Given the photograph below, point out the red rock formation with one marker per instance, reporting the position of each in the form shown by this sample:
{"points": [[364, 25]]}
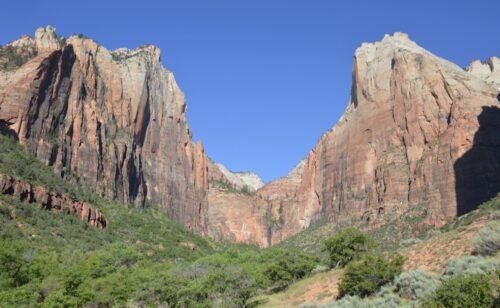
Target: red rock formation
{"points": [[45, 199], [115, 119], [418, 133], [410, 119]]}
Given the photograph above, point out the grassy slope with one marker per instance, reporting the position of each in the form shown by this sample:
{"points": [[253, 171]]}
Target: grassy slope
{"points": [[149, 230], [429, 253]]}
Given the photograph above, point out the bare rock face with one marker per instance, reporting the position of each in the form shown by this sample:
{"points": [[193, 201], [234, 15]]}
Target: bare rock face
{"points": [[489, 71], [239, 180], [419, 133], [115, 119], [52, 201], [404, 141]]}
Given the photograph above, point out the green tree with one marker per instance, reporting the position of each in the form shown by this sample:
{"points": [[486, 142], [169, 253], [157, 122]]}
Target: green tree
{"points": [[346, 245], [14, 263], [365, 276], [463, 291]]}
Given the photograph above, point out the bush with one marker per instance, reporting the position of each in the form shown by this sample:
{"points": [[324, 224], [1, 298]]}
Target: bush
{"points": [[471, 265], [384, 301], [366, 275], [415, 284], [287, 267], [409, 242], [463, 291], [487, 242], [346, 245]]}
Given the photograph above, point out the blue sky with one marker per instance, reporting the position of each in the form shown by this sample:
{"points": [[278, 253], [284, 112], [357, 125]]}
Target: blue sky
{"points": [[264, 78]]}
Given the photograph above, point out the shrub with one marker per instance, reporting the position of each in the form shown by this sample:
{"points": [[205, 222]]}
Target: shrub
{"points": [[463, 291], [471, 265], [14, 264], [383, 301], [409, 242], [365, 276], [415, 284], [287, 267], [346, 245], [487, 242]]}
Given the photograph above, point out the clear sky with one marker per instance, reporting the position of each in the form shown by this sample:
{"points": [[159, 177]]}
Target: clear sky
{"points": [[264, 78]]}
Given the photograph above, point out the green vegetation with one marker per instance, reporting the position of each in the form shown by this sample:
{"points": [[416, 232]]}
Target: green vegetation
{"points": [[10, 58], [145, 259], [346, 246], [228, 187], [142, 258], [21, 165], [415, 285], [367, 275], [471, 265], [464, 291], [487, 242]]}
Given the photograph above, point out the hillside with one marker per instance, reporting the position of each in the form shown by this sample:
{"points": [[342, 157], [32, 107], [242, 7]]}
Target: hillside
{"points": [[436, 252], [140, 257]]}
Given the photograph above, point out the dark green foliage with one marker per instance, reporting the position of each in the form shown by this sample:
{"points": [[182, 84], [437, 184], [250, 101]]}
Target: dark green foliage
{"points": [[365, 276], [288, 266], [142, 257], [346, 246], [463, 291]]}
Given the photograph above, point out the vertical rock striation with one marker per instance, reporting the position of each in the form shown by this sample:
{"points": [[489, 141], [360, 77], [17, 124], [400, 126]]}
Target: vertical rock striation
{"points": [[115, 119], [419, 133]]}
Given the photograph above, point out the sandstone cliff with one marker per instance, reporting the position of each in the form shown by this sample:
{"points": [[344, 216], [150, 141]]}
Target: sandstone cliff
{"points": [[419, 133], [116, 119]]}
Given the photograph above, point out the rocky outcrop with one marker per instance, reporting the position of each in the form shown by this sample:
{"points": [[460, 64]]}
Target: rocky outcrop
{"points": [[116, 120], [26, 192], [248, 181], [488, 71]]}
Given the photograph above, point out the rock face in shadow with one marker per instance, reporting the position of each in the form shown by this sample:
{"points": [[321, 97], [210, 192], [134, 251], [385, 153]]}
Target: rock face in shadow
{"points": [[115, 119], [477, 172]]}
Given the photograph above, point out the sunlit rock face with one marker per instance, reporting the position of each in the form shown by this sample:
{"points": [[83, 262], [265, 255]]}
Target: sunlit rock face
{"points": [[115, 119], [419, 133]]}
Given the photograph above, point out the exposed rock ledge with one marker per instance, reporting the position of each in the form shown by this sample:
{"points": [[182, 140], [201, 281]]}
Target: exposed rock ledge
{"points": [[49, 200]]}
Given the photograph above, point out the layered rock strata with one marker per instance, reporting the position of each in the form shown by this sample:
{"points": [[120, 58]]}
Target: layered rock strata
{"points": [[26, 192]]}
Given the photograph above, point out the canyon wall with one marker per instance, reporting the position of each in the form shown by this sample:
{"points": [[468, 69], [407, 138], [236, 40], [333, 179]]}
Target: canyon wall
{"points": [[116, 120], [419, 133]]}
